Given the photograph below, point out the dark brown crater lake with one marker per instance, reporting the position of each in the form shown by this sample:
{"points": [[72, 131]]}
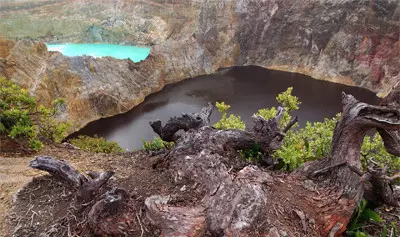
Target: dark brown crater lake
{"points": [[246, 89]]}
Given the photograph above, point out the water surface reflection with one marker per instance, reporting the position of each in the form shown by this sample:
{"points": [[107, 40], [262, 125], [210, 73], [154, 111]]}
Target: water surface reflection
{"points": [[246, 89]]}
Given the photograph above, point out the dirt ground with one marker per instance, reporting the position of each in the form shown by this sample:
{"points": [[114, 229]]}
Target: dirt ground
{"points": [[32, 203], [38, 198]]}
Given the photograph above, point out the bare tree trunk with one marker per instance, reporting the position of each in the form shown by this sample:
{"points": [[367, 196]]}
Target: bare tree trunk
{"points": [[242, 199]]}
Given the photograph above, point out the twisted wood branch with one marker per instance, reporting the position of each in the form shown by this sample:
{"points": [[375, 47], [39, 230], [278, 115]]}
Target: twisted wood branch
{"points": [[86, 186]]}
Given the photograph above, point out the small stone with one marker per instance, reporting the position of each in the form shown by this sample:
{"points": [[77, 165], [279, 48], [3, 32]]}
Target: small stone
{"points": [[283, 233], [183, 189]]}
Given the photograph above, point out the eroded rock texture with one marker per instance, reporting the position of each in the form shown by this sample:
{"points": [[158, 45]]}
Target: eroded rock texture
{"points": [[351, 42]]}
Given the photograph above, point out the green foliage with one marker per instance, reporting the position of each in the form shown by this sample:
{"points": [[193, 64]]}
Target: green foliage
{"points": [[156, 144], [50, 129], [21, 117], [252, 154], [286, 100], [35, 144], [314, 142], [373, 148], [357, 234], [308, 143], [231, 122], [96, 144], [362, 217]]}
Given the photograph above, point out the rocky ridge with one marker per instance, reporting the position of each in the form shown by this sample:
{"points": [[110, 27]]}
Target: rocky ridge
{"points": [[350, 42]]}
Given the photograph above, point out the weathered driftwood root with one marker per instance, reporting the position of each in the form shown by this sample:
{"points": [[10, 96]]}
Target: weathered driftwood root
{"points": [[266, 133], [185, 122], [316, 200], [111, 213], [231, 204], [380, 191], [86, 186], [391, 140]]}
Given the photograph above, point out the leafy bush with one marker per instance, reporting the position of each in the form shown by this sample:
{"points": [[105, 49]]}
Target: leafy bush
{"points": [[308, 143], [50, 129], [374, 149], [286, 100], [96, 144], [21, 117], [156, 144], [314, 142], [231, 122]]}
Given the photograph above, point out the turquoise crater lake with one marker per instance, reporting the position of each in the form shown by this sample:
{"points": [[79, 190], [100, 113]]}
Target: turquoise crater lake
{"points": [[134, 53]]}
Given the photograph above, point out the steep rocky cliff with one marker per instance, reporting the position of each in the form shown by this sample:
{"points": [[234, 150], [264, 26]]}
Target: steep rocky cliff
{"points": [[348, 41]]}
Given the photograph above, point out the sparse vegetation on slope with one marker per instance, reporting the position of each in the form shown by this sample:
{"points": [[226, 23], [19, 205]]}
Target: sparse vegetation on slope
{"points": [[22, 117], [96, 144], [156, 144]]}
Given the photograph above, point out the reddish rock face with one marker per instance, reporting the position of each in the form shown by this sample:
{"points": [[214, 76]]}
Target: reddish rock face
{"points": [[346, 42]]}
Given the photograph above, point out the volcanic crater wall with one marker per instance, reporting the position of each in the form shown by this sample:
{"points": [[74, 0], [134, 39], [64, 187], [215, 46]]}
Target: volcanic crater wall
{"points": [[353, 42]]}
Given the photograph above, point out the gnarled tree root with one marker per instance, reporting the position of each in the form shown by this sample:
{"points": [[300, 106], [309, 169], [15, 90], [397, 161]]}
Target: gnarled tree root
{"points": [[111, 213], [322, 194], [86, 186], [238, 199]]}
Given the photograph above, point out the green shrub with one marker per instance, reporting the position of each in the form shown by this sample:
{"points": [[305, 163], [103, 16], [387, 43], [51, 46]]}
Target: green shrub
{"points": [[286, 100], [231, 122], [374, 149], [21, 117], [309, 143], [314, 142], [96, 144], [156, 144], [50, 129]]}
